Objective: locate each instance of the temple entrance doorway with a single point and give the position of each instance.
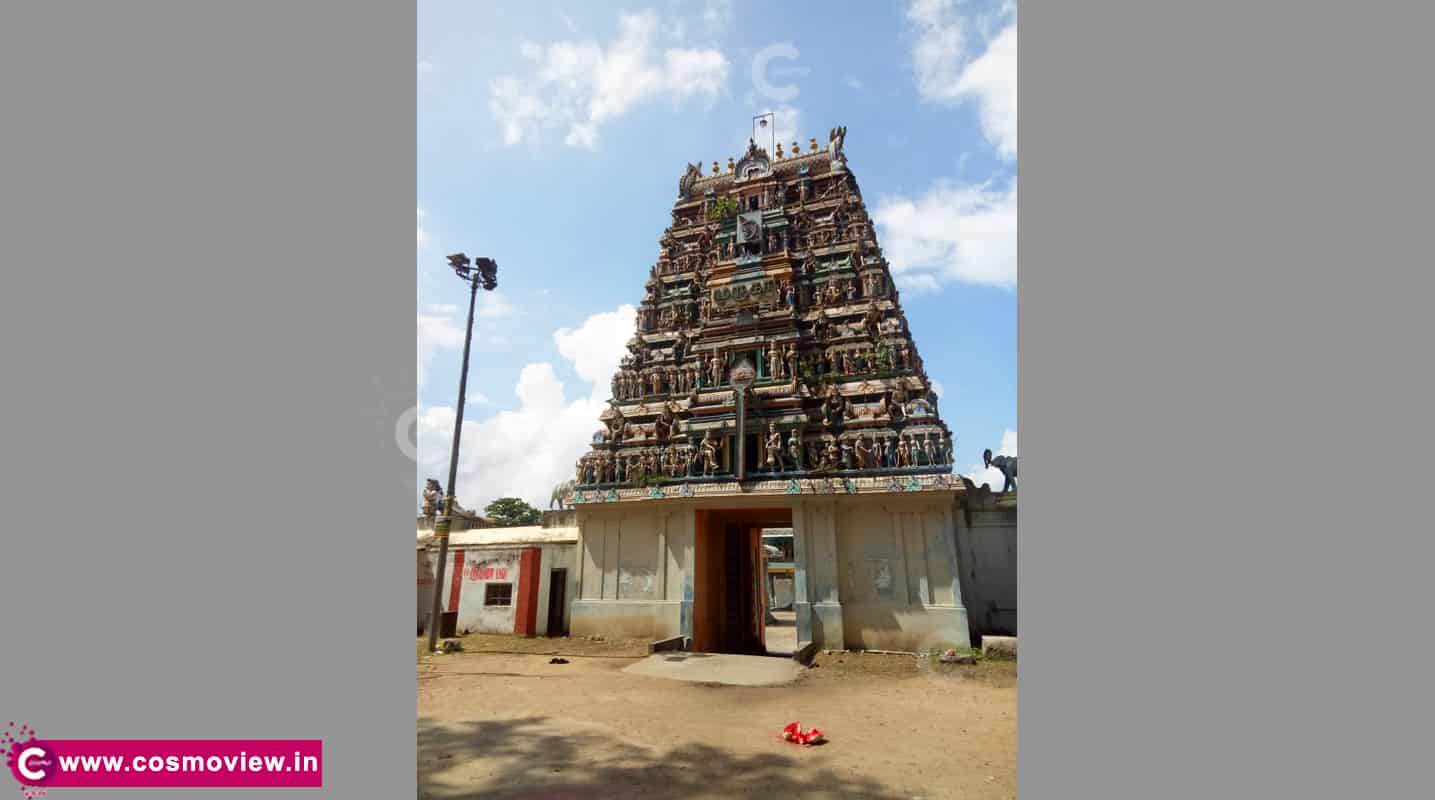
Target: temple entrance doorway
(730, 597)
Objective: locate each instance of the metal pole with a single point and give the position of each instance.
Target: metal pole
(441, 525)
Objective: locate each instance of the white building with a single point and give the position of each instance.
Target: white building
(503, 580)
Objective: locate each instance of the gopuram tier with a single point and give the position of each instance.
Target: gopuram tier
(770, 341)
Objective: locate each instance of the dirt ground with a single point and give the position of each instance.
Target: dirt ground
(498, 720)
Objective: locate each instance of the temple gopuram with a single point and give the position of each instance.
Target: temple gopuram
(771, 340)
(772, 382)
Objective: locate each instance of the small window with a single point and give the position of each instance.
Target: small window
(498, 594)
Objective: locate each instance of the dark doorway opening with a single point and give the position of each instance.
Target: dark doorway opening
(730, 596)
(750, 459)
(557, 590)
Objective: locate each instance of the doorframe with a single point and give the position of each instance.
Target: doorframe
(561, 586)
(709, 596)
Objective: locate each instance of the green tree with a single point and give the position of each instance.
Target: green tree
(507, 512)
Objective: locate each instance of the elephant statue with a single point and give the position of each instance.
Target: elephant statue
(1006, 465)
(560, 491)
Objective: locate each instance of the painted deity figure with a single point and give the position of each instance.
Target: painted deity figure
(930, 446)
(433, 498)
(715, 370)
(830, 455)
(947, 449)
(886, 454)
(794, 450)
(774, 448)
(847, 455)
(774, 363)
(903, 454)
(710, 453)
(864, 452)
(872, 319)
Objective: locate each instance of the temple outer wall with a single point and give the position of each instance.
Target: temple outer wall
(986, 550)
(878, 571)
(634, 571)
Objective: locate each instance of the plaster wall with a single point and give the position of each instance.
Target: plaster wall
(556, 556)
(425, 585)
(897, 575)
(633, 562)
(480, 569)
(482, 565)
(875, 572)
(986, 547)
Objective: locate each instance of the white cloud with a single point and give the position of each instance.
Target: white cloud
(425, 67)
(955, 231)
(476, 399)
(493, 306)
(981, 474)
(991, 81)
(595, 347)
(960, 231)
(423, 234)
(580, 85)
(525, 452)
(437, 330)
(946, 72)
(940, 47)
(441, 327)
(516, 108)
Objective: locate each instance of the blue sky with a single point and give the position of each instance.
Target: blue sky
(551, 136)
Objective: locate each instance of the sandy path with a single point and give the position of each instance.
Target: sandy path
(513, 725)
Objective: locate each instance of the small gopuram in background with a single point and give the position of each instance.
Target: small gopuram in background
(772, 381)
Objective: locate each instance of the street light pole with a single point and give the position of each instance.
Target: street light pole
(487, 277)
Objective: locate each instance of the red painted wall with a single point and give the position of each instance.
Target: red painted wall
(525, 617)
(457, 581)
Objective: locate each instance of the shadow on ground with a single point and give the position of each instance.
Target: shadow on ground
(527, 758)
